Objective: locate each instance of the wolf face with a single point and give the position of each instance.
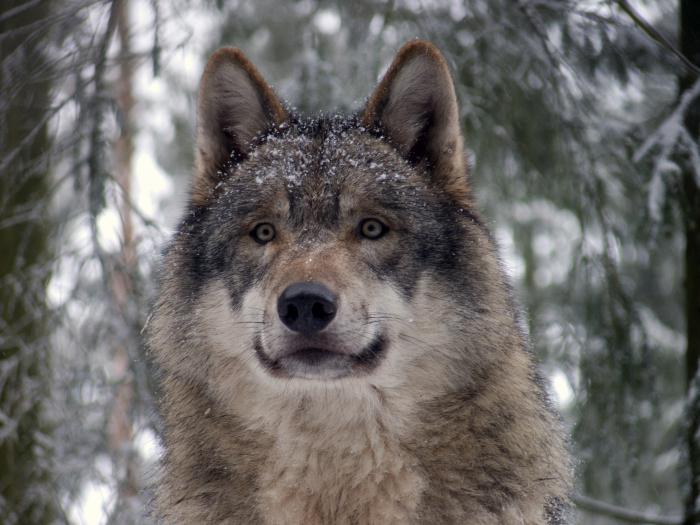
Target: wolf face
(332, 288)
(322, 242)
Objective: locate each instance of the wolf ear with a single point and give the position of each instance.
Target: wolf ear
(235, 104)
(415, 107)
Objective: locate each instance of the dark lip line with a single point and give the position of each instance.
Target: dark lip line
(365, 361)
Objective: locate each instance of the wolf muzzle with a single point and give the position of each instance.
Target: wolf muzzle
(313, 346)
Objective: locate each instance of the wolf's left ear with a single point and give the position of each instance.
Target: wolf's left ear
(415, 107)
(235, 104)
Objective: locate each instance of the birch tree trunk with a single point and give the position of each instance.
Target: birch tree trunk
(120, 426)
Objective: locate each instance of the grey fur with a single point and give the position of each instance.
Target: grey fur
(449, 425)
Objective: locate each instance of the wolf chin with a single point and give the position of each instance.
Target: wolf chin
(335, 338)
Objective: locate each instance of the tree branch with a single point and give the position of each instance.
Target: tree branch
(656, 35)
(6, 15)
(622, 514)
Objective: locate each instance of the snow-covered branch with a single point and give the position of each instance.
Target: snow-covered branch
(623, 514)
(667, 138)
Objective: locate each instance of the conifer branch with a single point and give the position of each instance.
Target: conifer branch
(623, 514)
(656, 35)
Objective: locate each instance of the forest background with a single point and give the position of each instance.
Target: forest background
(582, 120)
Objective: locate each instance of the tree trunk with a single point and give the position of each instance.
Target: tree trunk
(690, 47)
(120, 426)
(26, 485)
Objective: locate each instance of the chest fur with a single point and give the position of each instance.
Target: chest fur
(361, 476)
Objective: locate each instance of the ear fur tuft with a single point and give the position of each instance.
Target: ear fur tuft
(415, 107)
(235, 104)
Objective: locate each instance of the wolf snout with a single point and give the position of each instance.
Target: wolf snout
(307, 307)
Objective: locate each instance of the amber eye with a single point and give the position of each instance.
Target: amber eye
(263, 233)
(373, 229)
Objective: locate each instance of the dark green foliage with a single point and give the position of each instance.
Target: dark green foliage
(26, 478)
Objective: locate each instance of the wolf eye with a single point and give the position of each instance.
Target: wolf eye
(263, 233)
(373, 229)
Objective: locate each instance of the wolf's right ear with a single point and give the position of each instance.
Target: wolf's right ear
(235, 104)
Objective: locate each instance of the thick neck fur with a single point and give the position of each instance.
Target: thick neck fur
(484, 455)
(352, 469)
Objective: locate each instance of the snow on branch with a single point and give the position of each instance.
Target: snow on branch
(671, 134)
(623, 514)
(671, 128)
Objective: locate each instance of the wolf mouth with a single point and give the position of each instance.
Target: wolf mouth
(322, 363)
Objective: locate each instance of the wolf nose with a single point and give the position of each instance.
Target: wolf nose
(306, 308)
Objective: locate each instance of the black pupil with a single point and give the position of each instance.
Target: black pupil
(264, 232)
(372, 228)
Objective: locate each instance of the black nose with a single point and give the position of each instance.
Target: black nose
(306, 307)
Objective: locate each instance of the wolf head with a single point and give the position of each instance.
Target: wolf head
(335, 337)
(333, 251)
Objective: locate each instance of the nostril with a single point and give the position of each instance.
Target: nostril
(322, 310)
(292, 313)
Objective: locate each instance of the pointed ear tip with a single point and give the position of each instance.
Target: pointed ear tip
(422, 47)
(225, 55)
(233, 56)
(412, 49)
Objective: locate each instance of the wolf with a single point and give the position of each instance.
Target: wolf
(335, 337)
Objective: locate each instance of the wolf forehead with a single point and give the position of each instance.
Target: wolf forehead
(310, 172)
(317, 183)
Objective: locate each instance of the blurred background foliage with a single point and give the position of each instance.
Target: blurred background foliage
(581, 119)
